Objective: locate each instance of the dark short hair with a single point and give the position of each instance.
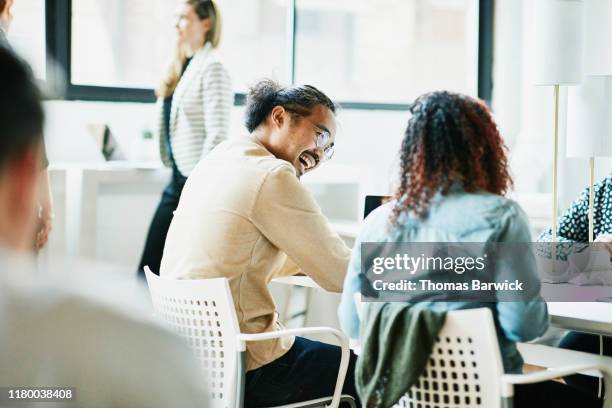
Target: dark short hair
(2, 5)
(21, 112)
(267, 94)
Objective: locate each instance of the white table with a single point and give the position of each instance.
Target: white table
(305, 281)
(346, 229)
(589, 317)
(106, 208)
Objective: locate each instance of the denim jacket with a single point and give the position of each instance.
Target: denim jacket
(457, 217)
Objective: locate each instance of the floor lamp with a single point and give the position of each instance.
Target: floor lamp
(589, 134)
(557, 34)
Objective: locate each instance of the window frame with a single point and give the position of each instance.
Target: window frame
(58, 16)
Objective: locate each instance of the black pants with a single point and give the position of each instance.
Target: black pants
(156, 238)
(553, 394)
(588, 343)
(307, 371)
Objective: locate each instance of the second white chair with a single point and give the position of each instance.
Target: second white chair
(465, 368)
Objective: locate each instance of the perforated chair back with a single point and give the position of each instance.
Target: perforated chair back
(465, 367)
(202, 311)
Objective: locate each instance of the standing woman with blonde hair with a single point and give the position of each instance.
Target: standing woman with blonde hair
(194, 104)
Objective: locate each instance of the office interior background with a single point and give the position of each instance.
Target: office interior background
(100, 60)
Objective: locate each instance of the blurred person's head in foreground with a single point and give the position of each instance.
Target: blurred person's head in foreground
(38, 320)
(295, 123)
(451, 140)
(21, 126)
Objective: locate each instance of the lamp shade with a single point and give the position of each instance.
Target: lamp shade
(589, 121)
(598, 37)
(558, 40)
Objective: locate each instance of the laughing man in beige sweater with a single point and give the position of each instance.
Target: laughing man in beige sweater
(244, 215)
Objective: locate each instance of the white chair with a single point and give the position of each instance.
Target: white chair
(465, 368)
(202, 311)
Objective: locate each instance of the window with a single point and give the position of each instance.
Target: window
(128, 43)
(367, 53)
(27, 33)
(387, 50)
(121, 43)
(254, 44)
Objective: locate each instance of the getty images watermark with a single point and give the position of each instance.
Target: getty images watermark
(485, 272)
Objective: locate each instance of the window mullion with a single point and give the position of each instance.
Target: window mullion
(291, 39)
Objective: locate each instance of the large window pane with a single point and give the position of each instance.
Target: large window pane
(27, 33)
(124, 43)
(254, 43)
(129, 43)
(387, 50)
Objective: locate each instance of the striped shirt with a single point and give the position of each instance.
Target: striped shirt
(200, 112)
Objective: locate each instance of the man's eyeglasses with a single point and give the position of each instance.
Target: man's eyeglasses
(322, 140)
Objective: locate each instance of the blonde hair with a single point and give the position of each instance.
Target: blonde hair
(205, 9)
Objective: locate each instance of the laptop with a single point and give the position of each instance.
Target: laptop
(106, 142)
(372, 202)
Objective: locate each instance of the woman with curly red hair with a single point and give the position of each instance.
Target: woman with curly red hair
(453, 174)
(451, 140)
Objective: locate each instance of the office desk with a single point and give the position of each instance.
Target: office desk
(588, 317)
(304, 281)
(101, 201)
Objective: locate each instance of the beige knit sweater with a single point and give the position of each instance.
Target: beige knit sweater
(244, 215)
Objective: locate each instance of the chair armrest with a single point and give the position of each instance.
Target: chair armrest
(319, 402)
(342, 339)
(509, 380)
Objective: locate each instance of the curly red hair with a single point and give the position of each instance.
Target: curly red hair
(451, 139)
